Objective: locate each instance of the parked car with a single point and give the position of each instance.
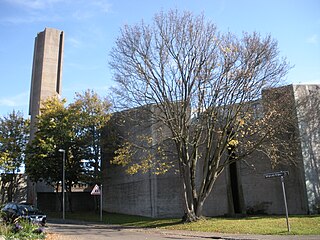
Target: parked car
(12, 211)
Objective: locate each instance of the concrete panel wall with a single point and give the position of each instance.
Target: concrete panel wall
(217, 204)
(146, 195)
(161, 196)
(46, 70)
(265, 196)
(307, 98)
(169, 201)
(45, 80)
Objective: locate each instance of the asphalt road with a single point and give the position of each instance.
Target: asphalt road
(97, 232)
(88, 231)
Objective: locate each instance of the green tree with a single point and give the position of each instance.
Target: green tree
(56, 129)
(93, 116)
(75, 128)
(200, 84)
(14, 134)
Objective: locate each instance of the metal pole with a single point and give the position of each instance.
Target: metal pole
(285, 202)
(63, 182)
(101, 203)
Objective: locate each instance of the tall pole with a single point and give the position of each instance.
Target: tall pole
(285, 202)
(63, 182)
(101, 203)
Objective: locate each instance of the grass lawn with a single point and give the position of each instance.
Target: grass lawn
(273, 225)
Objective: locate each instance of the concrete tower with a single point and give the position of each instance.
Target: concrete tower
(46, 71)
(45, 82)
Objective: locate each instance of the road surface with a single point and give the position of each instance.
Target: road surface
(99, 232)
(88, 231)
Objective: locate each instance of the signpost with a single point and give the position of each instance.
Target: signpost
(281, 174)
(96, 191)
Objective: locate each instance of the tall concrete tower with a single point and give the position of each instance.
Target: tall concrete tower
(46, 71)
(45, 82)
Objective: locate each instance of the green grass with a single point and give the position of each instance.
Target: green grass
(273, 225)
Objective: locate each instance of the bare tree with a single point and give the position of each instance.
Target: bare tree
(201, 84)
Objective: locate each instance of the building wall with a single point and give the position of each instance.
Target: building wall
(140, 194)
(265, 196)
(307, 98)
(161, 196)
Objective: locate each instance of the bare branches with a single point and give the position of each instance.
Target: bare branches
(201, 85)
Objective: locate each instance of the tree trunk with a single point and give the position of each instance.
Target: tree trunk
(10, 188)
(195, 214)
(194, 202)
(69, 197)
(199, 209)
(192, 212)
(190, 216)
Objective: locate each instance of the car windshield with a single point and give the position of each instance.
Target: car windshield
(28, 208)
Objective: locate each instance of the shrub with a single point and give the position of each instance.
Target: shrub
(22, 230)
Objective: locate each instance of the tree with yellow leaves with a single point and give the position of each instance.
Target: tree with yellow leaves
(200, 85)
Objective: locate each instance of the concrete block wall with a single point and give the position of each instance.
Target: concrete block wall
(161, 196)
(265, 196)
(307, 98)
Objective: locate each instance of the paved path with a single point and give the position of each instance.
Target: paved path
(87, 231)
(99, 232)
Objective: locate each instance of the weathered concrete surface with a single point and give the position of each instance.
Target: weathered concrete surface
(140, 194)
(46, 81)
(161, 196)
(46, 70)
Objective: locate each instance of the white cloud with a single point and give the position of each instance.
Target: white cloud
(29, 19)
(103, 5)
(74, 42)
(33, 4)
(21, 99)
(55, 10)
(314, 39)
(88, 9)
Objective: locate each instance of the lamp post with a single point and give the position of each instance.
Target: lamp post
(63, 182)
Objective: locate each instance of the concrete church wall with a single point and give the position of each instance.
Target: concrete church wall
(217, 203)
(140, 194)
(161, 195)
(265, 196)
(144, 195)
(307, 98)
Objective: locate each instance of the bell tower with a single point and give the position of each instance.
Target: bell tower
(45, 82)
(46, 71)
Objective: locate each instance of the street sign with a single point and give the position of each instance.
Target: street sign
(96, 190)
(281, 174)
(276, 174)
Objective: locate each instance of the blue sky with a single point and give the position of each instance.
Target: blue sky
(91, 27)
